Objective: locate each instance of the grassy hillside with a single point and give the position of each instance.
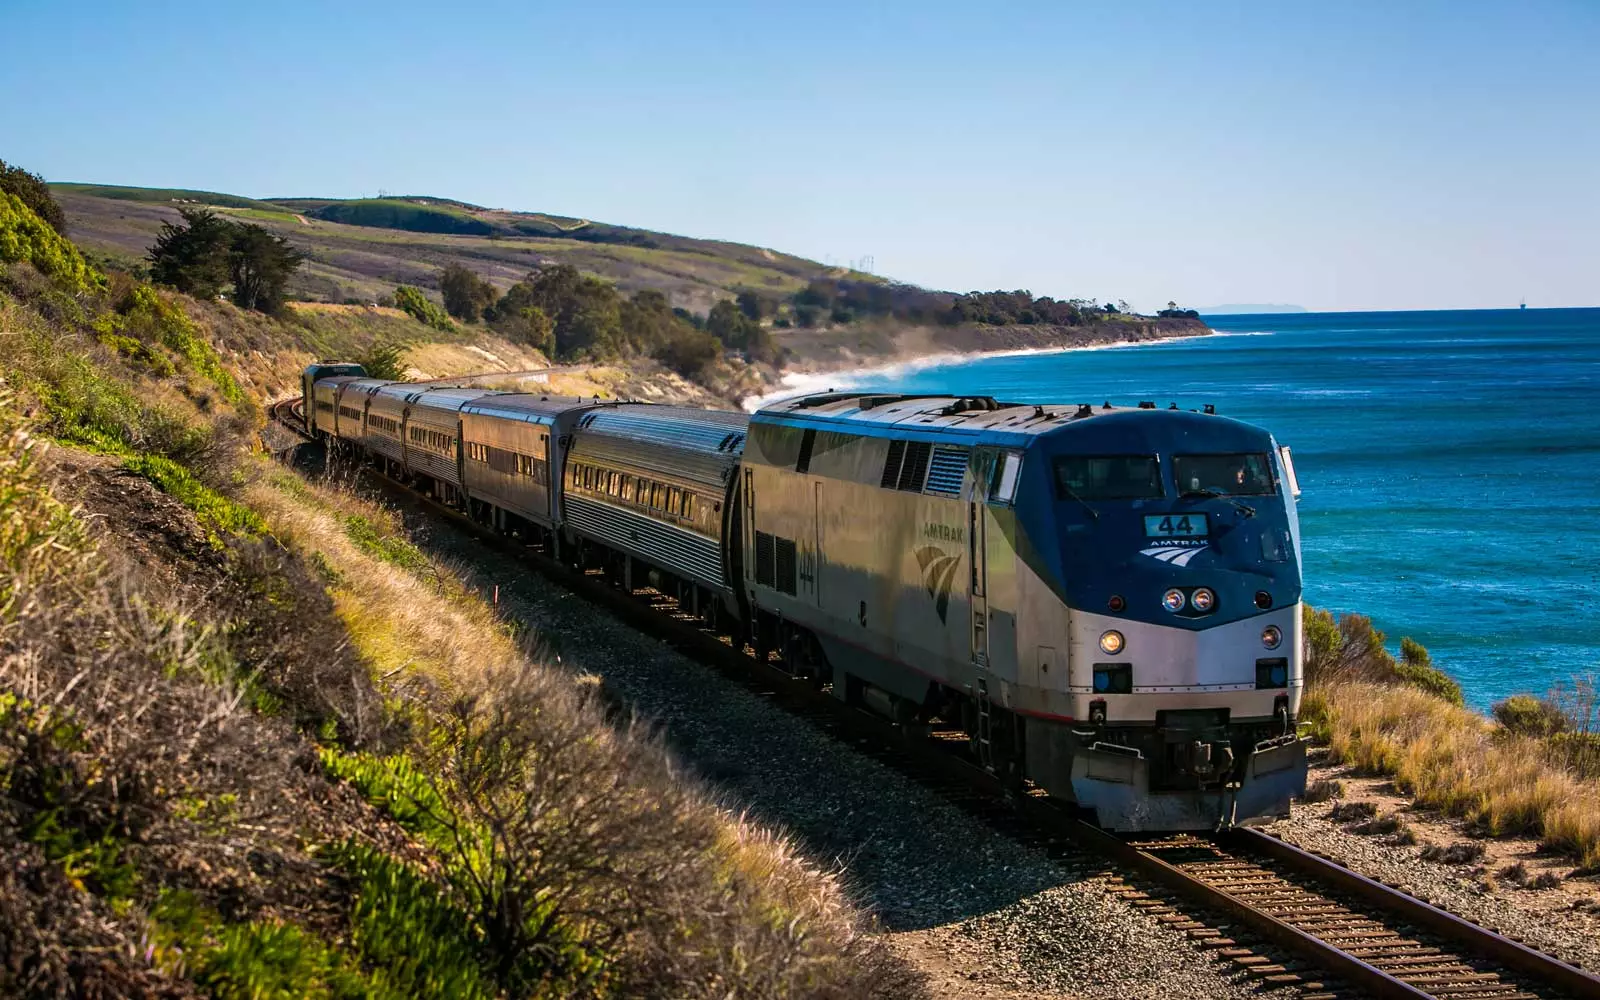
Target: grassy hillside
(360, 249)
(256, 743)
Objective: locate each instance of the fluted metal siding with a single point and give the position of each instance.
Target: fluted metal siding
(665, 545)
(432, 464)
(675, 442)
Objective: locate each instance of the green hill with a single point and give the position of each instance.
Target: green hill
(361, 248)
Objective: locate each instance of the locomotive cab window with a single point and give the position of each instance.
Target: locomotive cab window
(1248, 474)
(1107, 477)
(1003, 478)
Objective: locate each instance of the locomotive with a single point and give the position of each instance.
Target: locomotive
(1106, 600)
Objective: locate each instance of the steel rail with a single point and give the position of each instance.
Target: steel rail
(1045, 820)
(1481, 940)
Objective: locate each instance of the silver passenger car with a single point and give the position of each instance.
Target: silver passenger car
(386, 420)
(652, 482)
(511, 454)
(433, 432)
(351, 408)
(323, 411)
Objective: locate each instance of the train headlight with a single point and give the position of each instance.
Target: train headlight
(1271, 636)
(1173, 600)
(1203, 599)
(1112, 642)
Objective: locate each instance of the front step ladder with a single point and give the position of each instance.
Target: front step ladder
(985, 743)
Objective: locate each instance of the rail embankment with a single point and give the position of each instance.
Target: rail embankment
(1530, 769)
(256, 743)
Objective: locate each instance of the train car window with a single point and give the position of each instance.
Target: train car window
(1288, 470)
(1003, 487)
(1247, 474)
(1107, 477)
(614, 484)
(688, 505)
(674, 500)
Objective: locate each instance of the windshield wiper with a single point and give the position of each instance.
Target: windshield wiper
(1210, 494)
(1081, 501)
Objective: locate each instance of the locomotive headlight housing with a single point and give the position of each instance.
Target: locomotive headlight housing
(1173, 600)
(1272, 673)
(1203, 599)
(1271, 636)
(1111, 642)
(1113, 678)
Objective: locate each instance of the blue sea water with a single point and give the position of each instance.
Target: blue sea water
(1449, 463)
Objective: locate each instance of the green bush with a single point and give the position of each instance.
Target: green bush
(1348, 647)
(1416, 668)
(26, 237)
(1529, 716)
(32, 191)
(421, 308)
(385, 359)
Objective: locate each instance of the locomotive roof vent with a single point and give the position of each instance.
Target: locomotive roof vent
(1084, 410)
(1174, 406)
(1107, 405)
(1211, 408)
(967, 404)
(1147, 404)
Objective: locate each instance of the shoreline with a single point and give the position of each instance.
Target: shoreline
(798, 382)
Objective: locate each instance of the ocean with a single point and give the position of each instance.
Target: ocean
(1449, 464)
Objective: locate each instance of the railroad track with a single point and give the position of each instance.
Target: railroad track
(1285, 916)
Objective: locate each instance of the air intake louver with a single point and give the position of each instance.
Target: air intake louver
(946, 470)
(765, 557)
(915, 468)
(891, 466)
(786, 566)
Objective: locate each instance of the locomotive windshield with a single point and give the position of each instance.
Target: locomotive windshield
(1107, 477)
(1227, 475)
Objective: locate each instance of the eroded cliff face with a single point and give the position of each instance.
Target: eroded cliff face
(868, 346)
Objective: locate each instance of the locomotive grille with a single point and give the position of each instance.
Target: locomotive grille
(765, 558)
(947, 469)
(785, 565)
(915, 468)
(891, 465)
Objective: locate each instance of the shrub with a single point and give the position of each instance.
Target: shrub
(26, 237)
(1455, 854)
(1526, 715)
(385, 359)
(32, 191)
(412, 301)
(1416, 668)
(690, 352)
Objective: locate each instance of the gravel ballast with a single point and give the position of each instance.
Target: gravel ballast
(1004, 920)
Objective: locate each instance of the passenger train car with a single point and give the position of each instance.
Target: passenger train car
(1106, 599)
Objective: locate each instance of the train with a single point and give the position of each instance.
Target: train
(1105, 600)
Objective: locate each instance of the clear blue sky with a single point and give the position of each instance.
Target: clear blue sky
(1336, 155)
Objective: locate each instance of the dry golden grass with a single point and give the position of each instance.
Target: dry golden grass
(764, 919)
(1455, 760)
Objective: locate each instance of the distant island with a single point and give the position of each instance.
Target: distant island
(1246, 308)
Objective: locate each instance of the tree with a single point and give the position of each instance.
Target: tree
(193, 257)
(35, 194)
(726, 323)
(591, 323)
(260, 265)
(385, 359)
(532, 326)
(755, 305)
(689, 352)
(466, 295)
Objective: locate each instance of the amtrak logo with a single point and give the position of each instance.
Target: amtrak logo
(938, 571)
(1177, 555)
